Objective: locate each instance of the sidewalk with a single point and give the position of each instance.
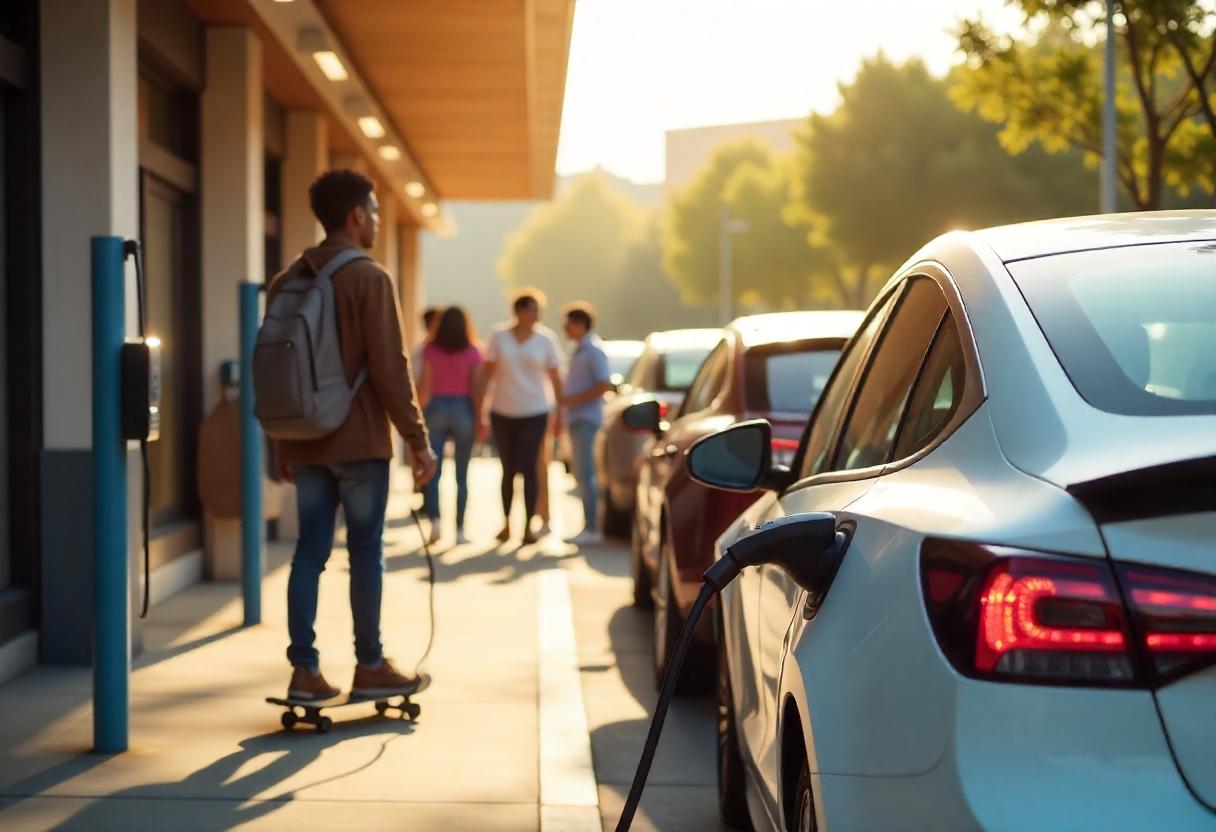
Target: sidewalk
(208, 753)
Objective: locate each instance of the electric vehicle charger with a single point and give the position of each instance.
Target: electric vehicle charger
(788, 542)
(133, 249)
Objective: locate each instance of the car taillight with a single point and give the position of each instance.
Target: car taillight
(1174, 615)
(1009, 614)
(784, 450)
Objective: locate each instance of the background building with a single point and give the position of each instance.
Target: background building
(196, 126)
(689, 149)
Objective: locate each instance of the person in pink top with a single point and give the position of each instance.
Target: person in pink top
(449, 361)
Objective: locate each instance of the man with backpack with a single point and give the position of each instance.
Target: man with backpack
(330, 374)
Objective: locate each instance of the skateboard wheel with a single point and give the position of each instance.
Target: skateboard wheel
(412, 711)
(324, 724)
(381, 708)
(288, 719)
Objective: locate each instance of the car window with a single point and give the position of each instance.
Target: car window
(640, 377)
(830, 404)
(938, 391)
(787, 381)
(869, 431)
(708, 382)
(677, 368)
(1134, 328)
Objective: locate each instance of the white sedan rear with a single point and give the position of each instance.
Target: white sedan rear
(1021, 442)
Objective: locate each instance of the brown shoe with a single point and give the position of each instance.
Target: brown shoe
(309, 684)
(505, 534)
(382, 681)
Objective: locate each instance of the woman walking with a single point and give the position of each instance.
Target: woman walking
(521, 372)
(449, 366)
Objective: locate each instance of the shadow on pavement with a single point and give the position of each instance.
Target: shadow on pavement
(232, 800)
(506, 564)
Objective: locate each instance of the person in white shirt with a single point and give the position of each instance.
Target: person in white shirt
(520, 376)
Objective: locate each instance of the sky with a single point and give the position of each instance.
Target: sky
(641, 67)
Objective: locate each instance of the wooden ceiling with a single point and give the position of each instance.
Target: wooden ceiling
(474, 86)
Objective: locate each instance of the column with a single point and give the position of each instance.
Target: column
(89, 175)
(409, 282)
(306, 158)
(386, 249)
(232, 232)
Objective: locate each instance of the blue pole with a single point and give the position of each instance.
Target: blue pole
(111, 604)
(251, 461)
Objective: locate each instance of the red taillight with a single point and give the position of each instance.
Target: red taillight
(1001, 613)
(1031, 607)
(784, 450)
(1175, 615)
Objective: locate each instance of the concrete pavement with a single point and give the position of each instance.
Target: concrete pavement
(208, 753)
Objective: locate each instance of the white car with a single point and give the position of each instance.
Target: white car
(1021, 632)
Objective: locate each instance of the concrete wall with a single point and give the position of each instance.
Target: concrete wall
(89, 132)
(233, 216)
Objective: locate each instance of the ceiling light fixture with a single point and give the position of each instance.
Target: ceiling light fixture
(415, 189)
(371, 127)
(330, 64)
(389, 152)
(430, 209)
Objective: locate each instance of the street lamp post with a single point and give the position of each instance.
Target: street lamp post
(727, 227)
(1106, 188)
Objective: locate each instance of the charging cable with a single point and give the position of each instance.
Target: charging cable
(789, 542)
(132, 249)
(430, 571)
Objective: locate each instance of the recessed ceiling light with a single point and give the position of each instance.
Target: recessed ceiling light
(430, 209)
(371, 127)
(389, 152)
(415, 189)
(330, 64)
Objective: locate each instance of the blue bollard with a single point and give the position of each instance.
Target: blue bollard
(111, 603)
(251, 460)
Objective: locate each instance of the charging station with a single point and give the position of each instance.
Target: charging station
(249, 300)
(126, 407)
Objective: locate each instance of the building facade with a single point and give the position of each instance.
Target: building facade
(196, 126)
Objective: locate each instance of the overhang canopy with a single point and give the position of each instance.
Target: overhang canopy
(474, 86)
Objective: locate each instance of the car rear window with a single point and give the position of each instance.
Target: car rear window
(1134, 328)
(785, 381)
(679, 367)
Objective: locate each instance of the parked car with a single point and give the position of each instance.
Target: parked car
(1020, 445)
(663, 370)
(621, 357)
(765, 366)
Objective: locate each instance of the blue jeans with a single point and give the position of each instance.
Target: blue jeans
(451, 417)
(361, 488)
(582, 442)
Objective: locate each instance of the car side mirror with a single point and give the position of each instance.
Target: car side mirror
(644, 416)
(739, 458)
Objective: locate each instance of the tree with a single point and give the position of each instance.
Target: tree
(594, 244)
(1048, 89)
(771, 265)
(897, 164)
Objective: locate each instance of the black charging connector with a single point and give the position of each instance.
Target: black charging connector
(140, 417)
(808, 547)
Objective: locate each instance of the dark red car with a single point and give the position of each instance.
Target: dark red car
(765, 367)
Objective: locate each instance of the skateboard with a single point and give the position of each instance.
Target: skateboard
(309, 711)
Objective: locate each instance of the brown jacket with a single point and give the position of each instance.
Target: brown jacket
(369, 329)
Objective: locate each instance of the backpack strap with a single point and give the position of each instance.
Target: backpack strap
(342, 258)
(346, 255)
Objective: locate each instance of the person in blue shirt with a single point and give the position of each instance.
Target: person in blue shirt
(587, 380)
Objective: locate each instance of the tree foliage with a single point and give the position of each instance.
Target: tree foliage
(596, 245)
(771, 263)
(897, 164)
(1048, 89)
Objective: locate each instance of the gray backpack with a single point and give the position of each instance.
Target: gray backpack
(300, 389)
